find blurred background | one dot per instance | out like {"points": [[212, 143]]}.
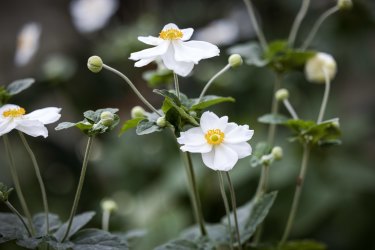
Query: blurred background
{"points": [[144, 174]]}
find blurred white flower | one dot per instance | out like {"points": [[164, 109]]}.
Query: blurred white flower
{"points": [[319, 65], [221, 32], [15, 117], [91, 15], [27, 43], [220, 143], [176, 52]]}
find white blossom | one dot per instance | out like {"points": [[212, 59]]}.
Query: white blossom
{"points": [[27, 43], [174, 49], [220, 142], [319, 65]]}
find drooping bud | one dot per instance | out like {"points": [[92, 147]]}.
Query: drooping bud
{"points": [[95, 64], [277, 153], [345, 4], [137, 112], [107, 118], [235, 60], [282, 94], [109, 205], [317, 66], [161, 122]]}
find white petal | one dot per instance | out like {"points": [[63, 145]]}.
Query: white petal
{"points": [[150, 40], [180, 68], [186, 53], [144, 62], [243, 149], [239, 134], [170, 26], [7, 107], [207, 49], [208, 159], [45, 116], [187, 33], [32, 127], [225, 158], [193, 136], [203, 148], [210, 120], [6, 125], [151, 52]]}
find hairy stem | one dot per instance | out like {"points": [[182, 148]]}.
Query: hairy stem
{"points": [[263, 182], [209, 83], [297, 22], [10, 206]]}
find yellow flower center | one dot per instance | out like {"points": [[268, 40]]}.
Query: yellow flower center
{"points": [[214, 136], [16, 112], [171, 34]]}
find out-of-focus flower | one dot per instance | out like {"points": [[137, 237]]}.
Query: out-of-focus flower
{"points": [[15, 117], [27, 43], [319, 65], [109, 205], [221, 32], [220, 143], [91, 15], [176, 52]]}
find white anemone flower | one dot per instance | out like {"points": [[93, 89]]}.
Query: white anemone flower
{"points": [[15, 117], [27, 43], [220, 142], [174, 49], [91, 15]]}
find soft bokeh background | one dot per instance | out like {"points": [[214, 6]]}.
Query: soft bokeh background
{"points": [[144, 174]]}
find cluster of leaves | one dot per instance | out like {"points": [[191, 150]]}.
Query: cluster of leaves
{"points": [[13, 89], [4, 192]]}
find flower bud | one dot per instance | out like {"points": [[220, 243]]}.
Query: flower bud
{"points": [[345, 4], [137, 112], [315, 67], [107, 118], [109, 205], [95, 64], [235, 60], [277, 153], [282, 94], [161, 122]]}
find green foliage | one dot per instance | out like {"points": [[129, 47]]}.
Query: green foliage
{"points": [[273, 119], [159, 77], [252, 52], [294, 245], [78, 222], [145, 127], [4, 192], [14, 88], [129, 124], [208, 101], [262, 148]]}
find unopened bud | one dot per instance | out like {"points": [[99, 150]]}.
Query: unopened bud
{"points": [[161, 122], [345, 4], [282, 94], [95, 64], [107, 118], [235, 60], [277, 153], [319, 65], [109, 205], [137, 112]]}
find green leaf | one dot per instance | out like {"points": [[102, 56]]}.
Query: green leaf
{"points": [[155, 78], [272, 119], [44, 242], [132, 237], [217, 234], [261, 149], [19, 86], [129, 124], [303, 245], [168, 94], [210, 100], [94, 116], [65, 125], [11, 228], [251, 52], [95, 239], [39, 222], [179, 244], [173, 117], [4, 192], [146, 127], [79, 221]]}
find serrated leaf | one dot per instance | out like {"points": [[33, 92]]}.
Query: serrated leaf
{"points": [[39, 222], [251, 52], [95, 239], [19, 86], [11, 228], [129, 124], [79, 221], [273, 119], [145, 127], [210, 100]]}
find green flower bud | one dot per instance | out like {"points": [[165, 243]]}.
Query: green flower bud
{"points": [[277, 153], [282, 94], [4, 192], [235, 60], [109, 205], [345, 4], [107, 118], [95, 64], [161, 122], [137, 112]]}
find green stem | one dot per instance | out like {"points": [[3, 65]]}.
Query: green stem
{"points": [[39, 177], [80, 185], [16, 181], [258, 31], [226, 205], [325, 97], [132, 86], [105, 220], [317, 25], [274, 109], [297, 22], [194, 194], [290, 109], [297, 194], [209, 83], [10, 206], [263, 182], [234, 208], [176, 85]]}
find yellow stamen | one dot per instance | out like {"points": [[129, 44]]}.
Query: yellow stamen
{"points": [[171, 34], [214, 136], [16, 112]]}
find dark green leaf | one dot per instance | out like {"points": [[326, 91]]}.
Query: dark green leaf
{"points": [[132, 237], [44, 242], [209, 100], [155, 78], [273, 119], [251, 52], [11, 228], [146, 127], [79, 221], [95, 239], [303, 245], [168, 94], [217, 234], [19, 86], [173, 117], [39, 222], [129, 124], [180, 244]]}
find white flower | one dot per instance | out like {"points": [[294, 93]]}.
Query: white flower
{"points": [[15, 117], [319, 65], [221, 143], [91, 15], [27, 43], [172, 47]]}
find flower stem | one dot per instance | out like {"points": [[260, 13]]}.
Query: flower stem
{"points": [[132, 86], [80, 185], [176, 85], [297, 194], [263, 182], [226, 205], [325, 97], [258, 31], [16, 181], [105, 220], [297, 22], [317, 25], [234, 208], [14, 210], [39, 177], [274, 109], [290, 108], [209, 83], [194, 194]]}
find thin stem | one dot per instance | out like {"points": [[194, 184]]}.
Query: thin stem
{"points": [[132, 86], [39, 177], [263, 182], [105, 220], [297, 22], [325, 97], [80, 185], [209, 83], [234, 208], [274, 109], [194, 194], [297, 194], [176, 85], [257, 29], [226, 205], [317, 25], [16, 181], [290, 109], [14, 210]]}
